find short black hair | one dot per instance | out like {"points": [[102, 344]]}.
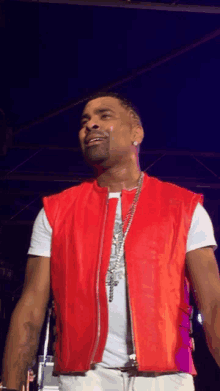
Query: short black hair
{"points": [[126, 103]]}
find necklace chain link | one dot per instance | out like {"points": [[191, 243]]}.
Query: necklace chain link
{"points": [[130, 213]]}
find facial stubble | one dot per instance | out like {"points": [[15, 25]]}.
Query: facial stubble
{"points": [[96, 154]]}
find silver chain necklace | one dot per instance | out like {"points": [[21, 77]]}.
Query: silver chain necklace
{"points": [[112, 270]]}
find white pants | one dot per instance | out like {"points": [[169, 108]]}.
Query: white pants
{"points": [[104, 379]]}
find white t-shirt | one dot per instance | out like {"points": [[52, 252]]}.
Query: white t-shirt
{"points": [[201, 232], [118, 346]]}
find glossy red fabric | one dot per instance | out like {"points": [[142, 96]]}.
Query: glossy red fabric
{"points": [[155, 248]]}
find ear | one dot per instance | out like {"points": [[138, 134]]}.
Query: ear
{"points": [[137, 130], [139, 134]]}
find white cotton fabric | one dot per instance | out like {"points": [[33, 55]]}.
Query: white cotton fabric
{"points": [[201, 232], [103, 379], [118, 346]]}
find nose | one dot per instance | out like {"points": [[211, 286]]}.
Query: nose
{"points": [[91, 126]]}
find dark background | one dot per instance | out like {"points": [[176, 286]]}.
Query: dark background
{"points": [[52, 57]]}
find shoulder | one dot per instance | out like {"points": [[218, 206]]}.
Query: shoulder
{"points": [[58, 203], [69, 193], [172, 190], [63, 194]]}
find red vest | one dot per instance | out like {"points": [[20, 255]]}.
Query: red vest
{"points": [[155, 250]]}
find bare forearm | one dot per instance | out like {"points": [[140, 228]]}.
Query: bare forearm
{"points": [[20, 352], [212, 333]]}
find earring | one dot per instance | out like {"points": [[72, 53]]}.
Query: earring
{"points": [[135, 143]]}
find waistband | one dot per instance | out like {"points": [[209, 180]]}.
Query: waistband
{"points": [[135, 371]]}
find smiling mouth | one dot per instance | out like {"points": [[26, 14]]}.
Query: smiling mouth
{"points": [[94, 142]]}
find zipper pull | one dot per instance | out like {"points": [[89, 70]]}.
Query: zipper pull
{"points": [[133, 357]]}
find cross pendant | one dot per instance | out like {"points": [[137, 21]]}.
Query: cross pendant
{"points": [[116, 241], [112, 283]]}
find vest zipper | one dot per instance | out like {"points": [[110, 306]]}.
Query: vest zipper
{"points": [[97, 290], [132, 356]]}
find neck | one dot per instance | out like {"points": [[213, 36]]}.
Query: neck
{"points": [[117, 179]]}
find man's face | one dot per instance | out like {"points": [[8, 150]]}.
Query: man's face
{"points": [[105, 118]]}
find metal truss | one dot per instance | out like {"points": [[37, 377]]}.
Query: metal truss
{"points": [[144, 5], [75, 179], [147, 68]]}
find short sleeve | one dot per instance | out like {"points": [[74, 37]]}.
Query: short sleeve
{"points": [[201, 232], [41, 236]]}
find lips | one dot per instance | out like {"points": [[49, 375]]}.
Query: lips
{"points": [[94, 140]]}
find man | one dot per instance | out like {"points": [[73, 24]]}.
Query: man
{"points": [[120, 251]]}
